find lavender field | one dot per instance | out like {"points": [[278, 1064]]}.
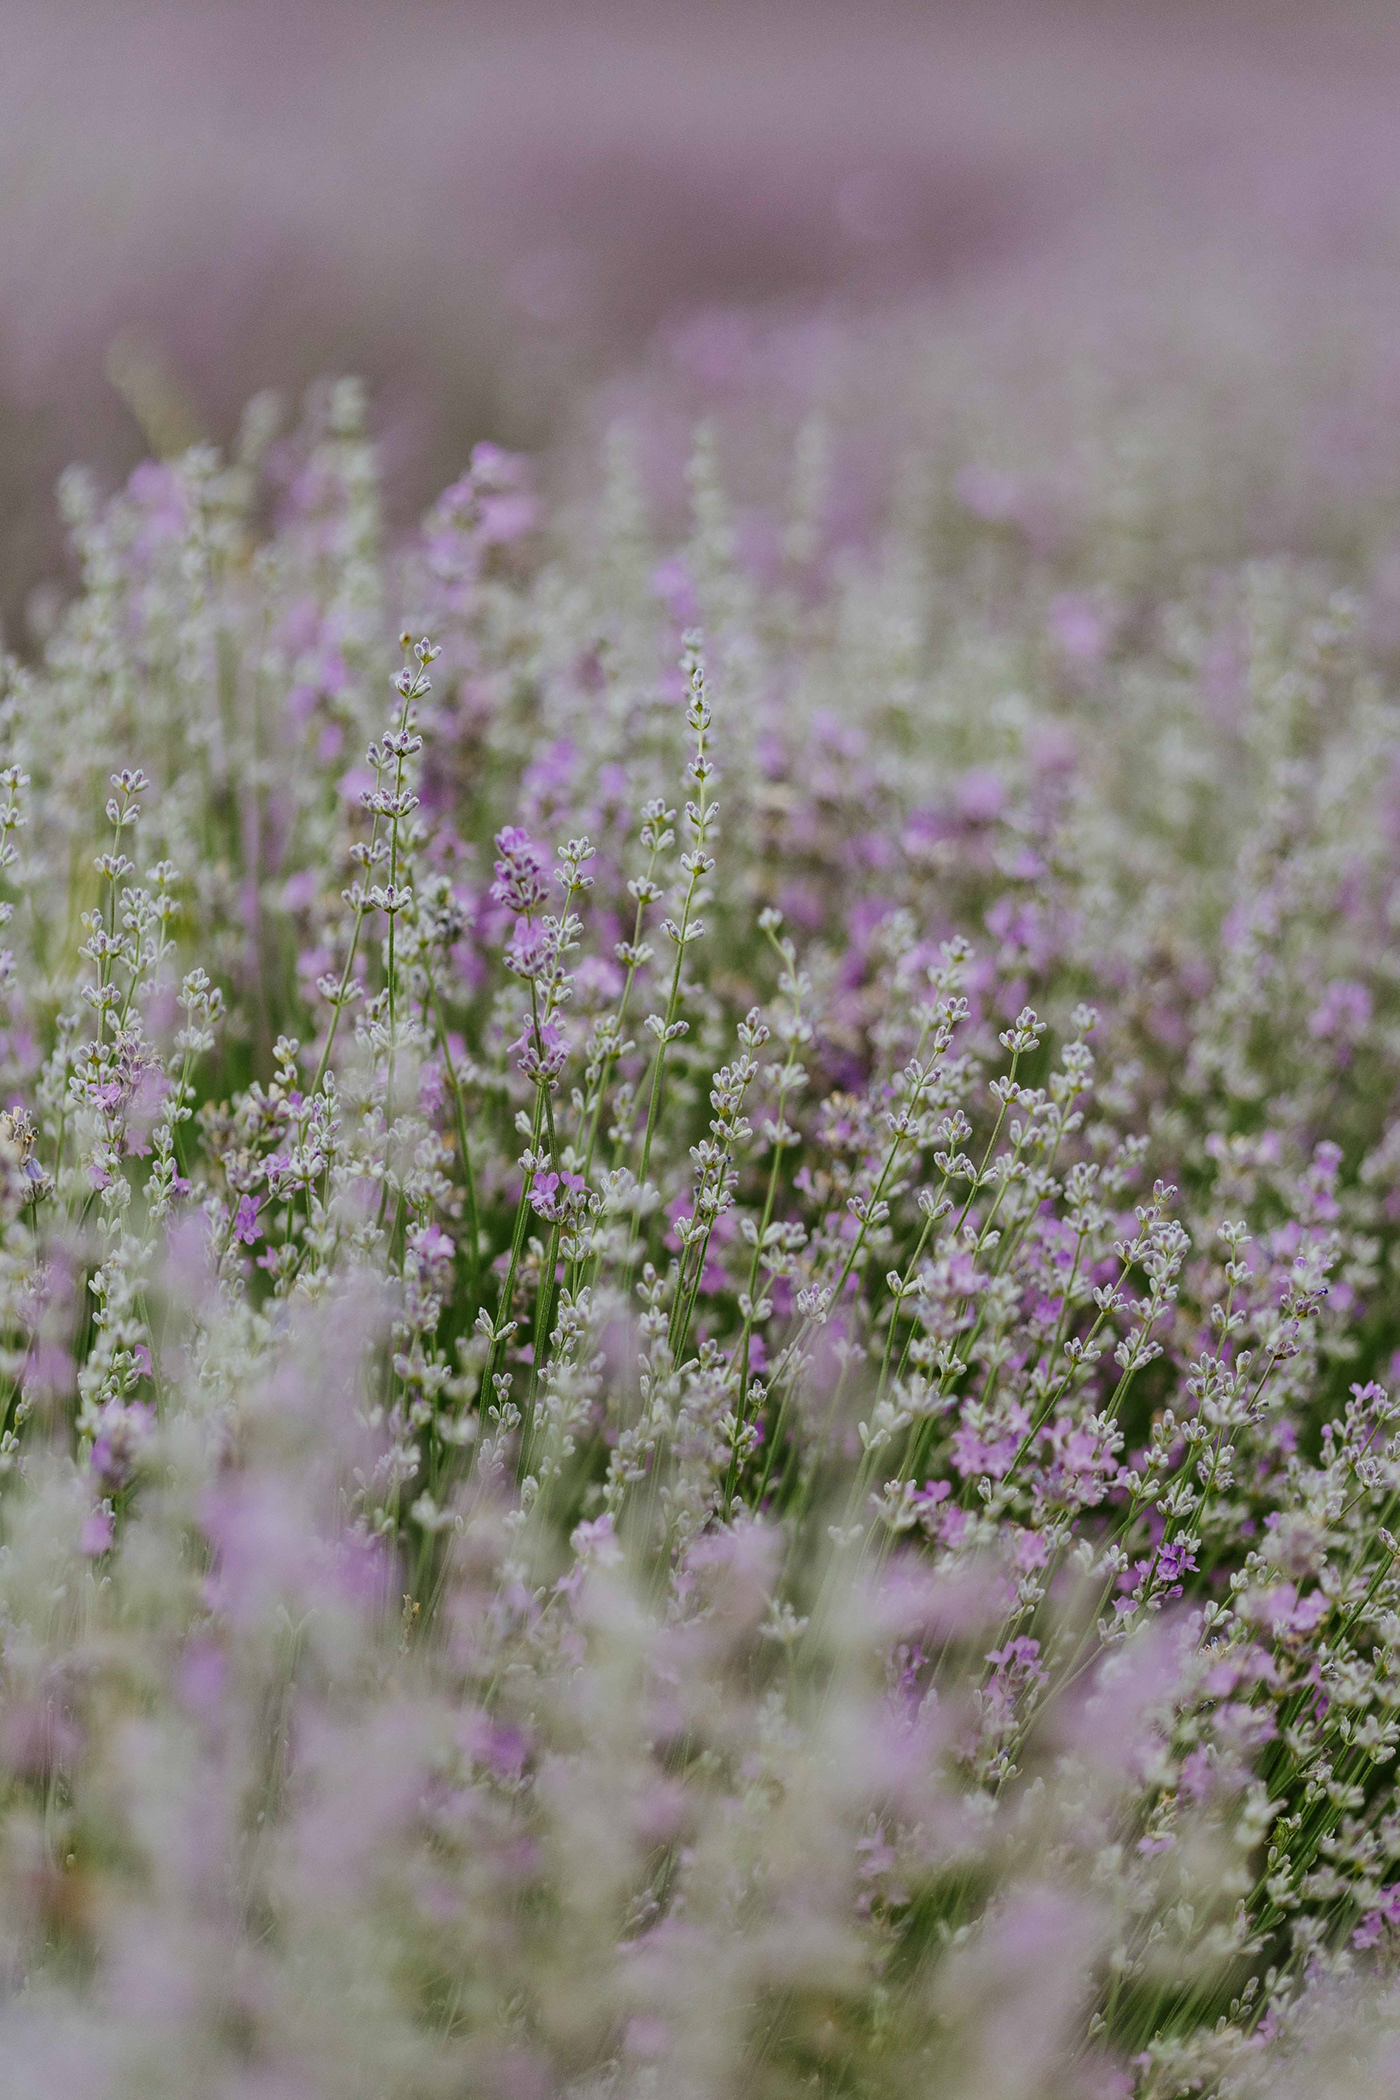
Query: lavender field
{"points": [[700, 1175]]}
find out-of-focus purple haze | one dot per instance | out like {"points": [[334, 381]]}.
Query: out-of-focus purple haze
{"points": [[486, 209]]}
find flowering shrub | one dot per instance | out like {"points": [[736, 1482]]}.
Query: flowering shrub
{"points": [[698, 1302]]}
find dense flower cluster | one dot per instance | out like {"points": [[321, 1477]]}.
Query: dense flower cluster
{"points": [[697, 1286]]}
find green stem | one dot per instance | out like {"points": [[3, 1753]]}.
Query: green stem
{"points": [[468, 1179]]}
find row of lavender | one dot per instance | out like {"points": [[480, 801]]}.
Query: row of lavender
{"points": [[697, 1296]]}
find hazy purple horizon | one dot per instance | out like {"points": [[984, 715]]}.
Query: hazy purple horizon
{"points": [[487, 212]]}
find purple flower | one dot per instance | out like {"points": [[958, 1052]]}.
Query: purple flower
{"points": [[97, 1533], [527, 951], [556, 1195], [431, 1244], [122, 1433], [519, 871], [542, 1190], [545, 1059], [1177, 1558]]}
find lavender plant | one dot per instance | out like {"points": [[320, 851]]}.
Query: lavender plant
{"points": [[697, 1280]]}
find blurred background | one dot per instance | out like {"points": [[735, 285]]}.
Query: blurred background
{"points": [[493, 212]]}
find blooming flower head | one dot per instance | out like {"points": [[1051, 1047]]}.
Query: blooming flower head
{"points": [[519, 871]]}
